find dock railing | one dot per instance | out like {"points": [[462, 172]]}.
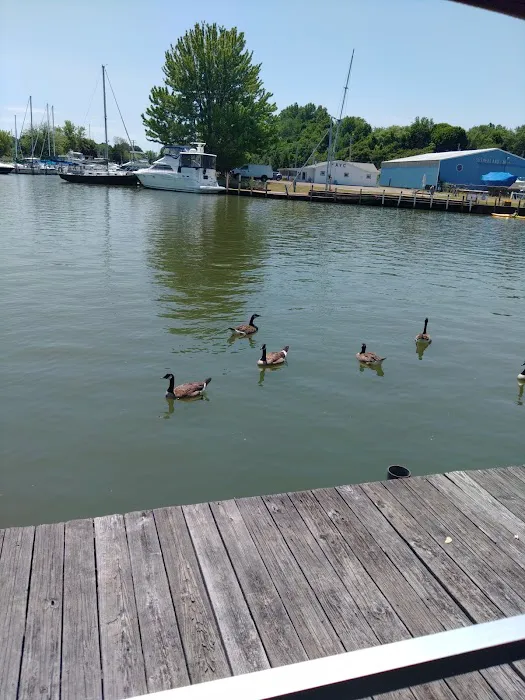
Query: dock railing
{"points": [[372, 671]]}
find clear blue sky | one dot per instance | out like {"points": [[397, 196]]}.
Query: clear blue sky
{"points": [[430, 58]]}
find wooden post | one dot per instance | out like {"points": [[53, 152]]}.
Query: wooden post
{"points": [[239, 185], [266, 188], [414, 203], [470, 205], [431, 201], [287, 195], [227, 182], [251, 186], [399, 199], [448, 197], [383, 199], [360, 193]]}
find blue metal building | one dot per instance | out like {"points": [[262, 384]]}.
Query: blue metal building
{"points": [[463, 168]]}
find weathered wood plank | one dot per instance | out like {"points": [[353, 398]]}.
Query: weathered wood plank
{"points": [[346, 618], [370, 599], [205, 653], [480, 506], [495, 573], [505, 488], [517, 471], [422, 603], [432, 553], [120, 644], [161, 643], [40, 672], [15, 570], [1, 541], [275, 628], [376, 609], [81, 668], [312, 625], [241, 639]]}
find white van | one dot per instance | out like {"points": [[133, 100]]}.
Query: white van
{"points": [[258, 172]]}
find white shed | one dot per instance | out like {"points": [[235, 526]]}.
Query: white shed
{"points": [[342, 173]]}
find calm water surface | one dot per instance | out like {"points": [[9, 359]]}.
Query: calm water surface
{"points": [[102, 291]]}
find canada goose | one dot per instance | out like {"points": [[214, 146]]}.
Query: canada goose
{"points": [[270, 359], [185, 391], [521, 375], [368, 358], [246, 328], [424, 337]]}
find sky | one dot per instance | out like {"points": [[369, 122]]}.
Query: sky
{"points": [[431, 58]]}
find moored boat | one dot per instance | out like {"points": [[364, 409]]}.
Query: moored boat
{"points": [[6, 168], [183, 169], [102, 177]]}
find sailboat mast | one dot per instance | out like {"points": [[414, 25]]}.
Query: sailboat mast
{"points": [[48, 134], [31, 117], [338, 127], [329, 156], [105, 116], [53, 122], [16, 141]]}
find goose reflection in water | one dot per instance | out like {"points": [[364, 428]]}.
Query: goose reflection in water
{"points": [[377, 369], [519, 400], [421, 349], [171, 409], [269, 369], [244, 338]]}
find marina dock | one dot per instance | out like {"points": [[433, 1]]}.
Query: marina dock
{"points": [[124, 605], [377, 197]]}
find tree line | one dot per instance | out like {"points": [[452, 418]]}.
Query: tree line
{"points": [[67, 137], [213, 92]]}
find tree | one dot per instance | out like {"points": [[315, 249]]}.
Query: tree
{"points": [[446, 137], [490, 136], [151, 156], [6, 143], [420, 132], [213, 92]]}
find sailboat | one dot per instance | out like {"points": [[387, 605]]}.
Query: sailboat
{"points": [[122, 178]]}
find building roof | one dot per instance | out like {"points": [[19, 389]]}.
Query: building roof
{"points": [[369, 167], [442, 156]]}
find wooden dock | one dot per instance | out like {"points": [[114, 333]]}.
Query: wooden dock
{"points": [[374, 196], [119, 606]]}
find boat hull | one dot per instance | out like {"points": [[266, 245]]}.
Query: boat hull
{"points": [[159, 181], [6, 169], [127, 180]]}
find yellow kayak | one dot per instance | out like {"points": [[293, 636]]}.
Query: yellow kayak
{"points": [[508, 216]]}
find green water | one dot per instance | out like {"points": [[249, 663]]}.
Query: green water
{"points": [[102, 291]]}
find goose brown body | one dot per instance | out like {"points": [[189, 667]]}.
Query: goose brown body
{"points": [[189, 390], [269, 359], [369, 358], [246, 328], [424, 336]]}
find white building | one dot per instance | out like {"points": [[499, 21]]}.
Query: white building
{"points": [[342, 173]]}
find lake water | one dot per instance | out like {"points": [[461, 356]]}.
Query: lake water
{"points": [[103, 291]]}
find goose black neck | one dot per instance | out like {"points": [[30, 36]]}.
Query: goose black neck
{"points": [[251, 321], [172, 384], [263, 356], [426, 324]]}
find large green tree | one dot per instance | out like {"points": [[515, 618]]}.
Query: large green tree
{"points": [[6, 143], [446, 137], [213, 92]]}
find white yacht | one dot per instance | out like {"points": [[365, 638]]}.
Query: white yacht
{"points": [[183, 170]]}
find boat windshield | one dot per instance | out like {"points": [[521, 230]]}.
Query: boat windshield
{"points": [[197, 160], [161, 166]]}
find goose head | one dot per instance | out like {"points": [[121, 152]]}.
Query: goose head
{"points": [[363, 348]]}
